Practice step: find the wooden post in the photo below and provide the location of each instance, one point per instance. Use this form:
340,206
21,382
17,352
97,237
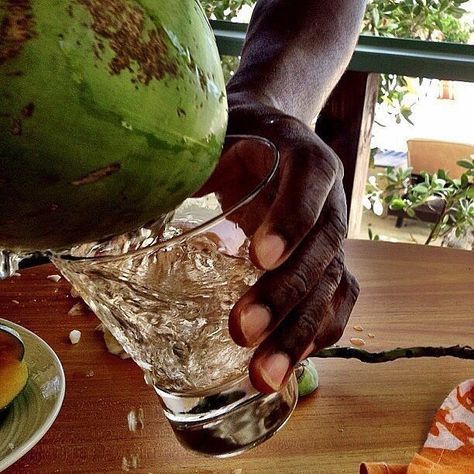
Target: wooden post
345,124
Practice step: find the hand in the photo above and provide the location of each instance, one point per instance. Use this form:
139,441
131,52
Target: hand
302,302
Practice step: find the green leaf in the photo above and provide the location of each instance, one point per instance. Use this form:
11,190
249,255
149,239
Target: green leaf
410,212
470,192
465,164
442,174
420,188
397,204
376,16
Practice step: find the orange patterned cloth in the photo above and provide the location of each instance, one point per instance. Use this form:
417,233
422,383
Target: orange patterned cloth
449,448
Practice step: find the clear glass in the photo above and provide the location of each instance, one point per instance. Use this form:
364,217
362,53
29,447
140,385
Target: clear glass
165,293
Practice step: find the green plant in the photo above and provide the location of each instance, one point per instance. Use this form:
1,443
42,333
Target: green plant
434,20
229,66
396,189
372,236
224,9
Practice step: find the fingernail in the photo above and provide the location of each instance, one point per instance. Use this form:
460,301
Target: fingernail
274,369
254,320
269,250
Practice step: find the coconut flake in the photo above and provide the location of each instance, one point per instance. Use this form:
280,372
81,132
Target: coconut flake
358,328
130,463
132,421
15,302
141,418
371,335
54,278
75,336
113,346
136,420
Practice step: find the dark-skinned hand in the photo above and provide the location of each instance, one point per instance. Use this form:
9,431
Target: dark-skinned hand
303,301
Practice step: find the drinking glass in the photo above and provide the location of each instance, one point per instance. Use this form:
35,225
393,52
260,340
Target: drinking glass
165,293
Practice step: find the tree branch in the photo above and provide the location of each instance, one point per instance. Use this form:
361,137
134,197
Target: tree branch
461,352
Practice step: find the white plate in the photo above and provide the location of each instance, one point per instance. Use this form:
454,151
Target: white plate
33,412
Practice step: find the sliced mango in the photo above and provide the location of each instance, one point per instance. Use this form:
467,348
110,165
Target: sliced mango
13,378
13,370
11,345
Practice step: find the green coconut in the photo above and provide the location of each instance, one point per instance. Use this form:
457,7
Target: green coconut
112,112
307,377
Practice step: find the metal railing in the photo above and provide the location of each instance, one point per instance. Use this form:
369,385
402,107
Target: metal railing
406,57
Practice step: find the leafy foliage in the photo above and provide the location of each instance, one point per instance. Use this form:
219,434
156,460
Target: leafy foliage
436,20
396,189
224,9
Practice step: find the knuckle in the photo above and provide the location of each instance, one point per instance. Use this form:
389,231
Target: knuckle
331,165
292,289
339,226
354,289
295,339
307,324
352,285
335,331
336,268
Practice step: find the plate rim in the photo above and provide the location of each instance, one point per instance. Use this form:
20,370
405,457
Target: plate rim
17,454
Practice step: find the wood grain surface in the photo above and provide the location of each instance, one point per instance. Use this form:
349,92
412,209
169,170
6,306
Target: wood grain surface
411,295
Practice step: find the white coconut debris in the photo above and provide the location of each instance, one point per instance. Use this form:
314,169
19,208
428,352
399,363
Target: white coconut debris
132,421
15,302
54,278
75,336
74,293
136,420
141,418
129,463
113,346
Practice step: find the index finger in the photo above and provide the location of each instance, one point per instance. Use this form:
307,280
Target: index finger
308,172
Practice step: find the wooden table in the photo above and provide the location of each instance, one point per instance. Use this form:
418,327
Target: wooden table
411,295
